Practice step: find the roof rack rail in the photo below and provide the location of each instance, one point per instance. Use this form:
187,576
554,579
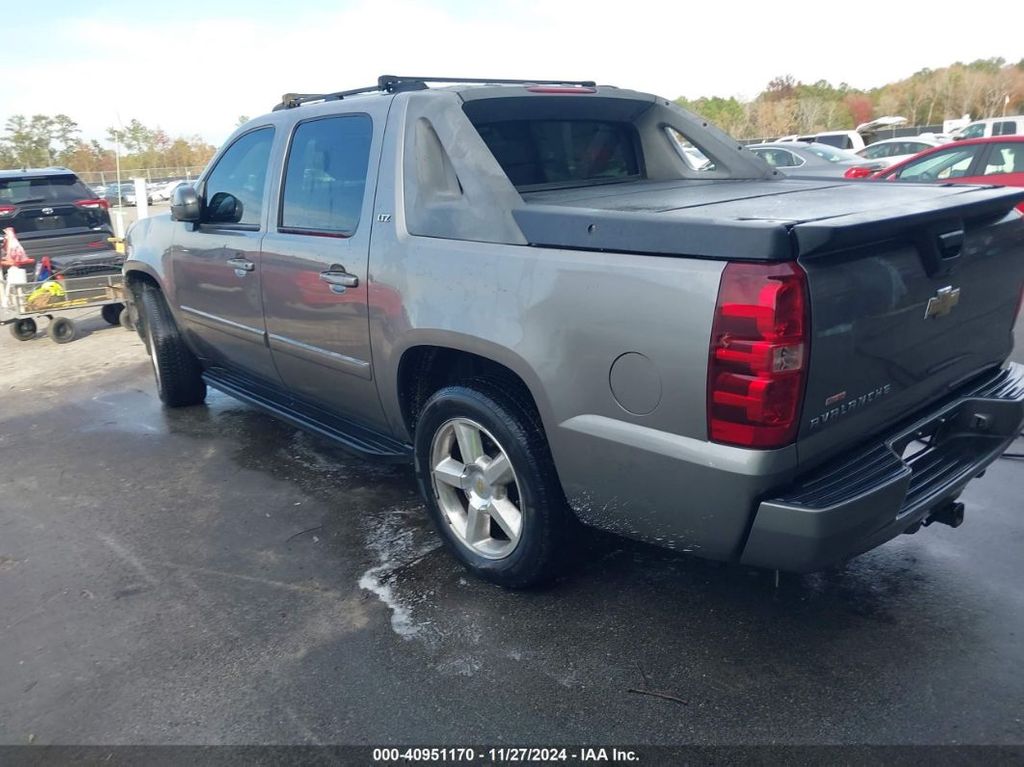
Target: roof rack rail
400,83
393,83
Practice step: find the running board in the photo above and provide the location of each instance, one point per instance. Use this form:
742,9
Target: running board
346,434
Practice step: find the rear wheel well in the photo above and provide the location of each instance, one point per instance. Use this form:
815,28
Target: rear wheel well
424,370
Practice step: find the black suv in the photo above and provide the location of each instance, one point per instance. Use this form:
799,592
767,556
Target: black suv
53,213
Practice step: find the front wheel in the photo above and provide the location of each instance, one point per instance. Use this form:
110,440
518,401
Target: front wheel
179,376
486,474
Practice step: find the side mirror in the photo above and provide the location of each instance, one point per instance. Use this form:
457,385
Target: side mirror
185,204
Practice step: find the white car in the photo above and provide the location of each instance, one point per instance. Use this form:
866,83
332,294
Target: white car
993,126
840,139
894,150
162,191
157,192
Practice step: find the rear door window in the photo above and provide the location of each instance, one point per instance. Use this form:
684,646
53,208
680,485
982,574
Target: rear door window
552,153
325,180
778,158
1004,128
1003,159
912,147
877,151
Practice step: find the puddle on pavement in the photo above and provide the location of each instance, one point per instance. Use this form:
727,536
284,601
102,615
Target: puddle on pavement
463,625
132,411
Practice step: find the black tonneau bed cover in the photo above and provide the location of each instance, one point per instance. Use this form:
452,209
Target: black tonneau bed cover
760,220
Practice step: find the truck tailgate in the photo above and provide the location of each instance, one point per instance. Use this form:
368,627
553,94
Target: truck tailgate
913,287
907,304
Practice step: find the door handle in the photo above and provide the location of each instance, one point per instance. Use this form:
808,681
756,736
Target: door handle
241,263
337,275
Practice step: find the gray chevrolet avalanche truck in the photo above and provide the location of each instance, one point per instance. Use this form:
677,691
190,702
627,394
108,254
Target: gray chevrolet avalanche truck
534,293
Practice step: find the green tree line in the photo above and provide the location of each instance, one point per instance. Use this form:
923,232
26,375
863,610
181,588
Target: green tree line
982,88
44,140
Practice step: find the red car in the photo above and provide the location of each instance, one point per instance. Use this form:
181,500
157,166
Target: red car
998,161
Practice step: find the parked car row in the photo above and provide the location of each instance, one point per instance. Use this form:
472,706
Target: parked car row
124,194
891,150
996,160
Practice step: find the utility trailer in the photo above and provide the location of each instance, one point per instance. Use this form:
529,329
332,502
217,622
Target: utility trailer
22,303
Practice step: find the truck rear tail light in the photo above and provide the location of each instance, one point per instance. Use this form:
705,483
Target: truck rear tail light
758,357
7,211
94,204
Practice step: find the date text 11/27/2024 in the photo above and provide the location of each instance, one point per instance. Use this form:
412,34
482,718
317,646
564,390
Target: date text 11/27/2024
509,754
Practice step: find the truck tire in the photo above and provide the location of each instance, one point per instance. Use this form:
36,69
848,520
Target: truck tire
490,486
112,313
62,330
179,376
24,329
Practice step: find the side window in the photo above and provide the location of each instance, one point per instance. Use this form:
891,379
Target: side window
234,189
974,130
1005,128
875,151
1004,158
692,156
325,179
777,158
789,160
952,163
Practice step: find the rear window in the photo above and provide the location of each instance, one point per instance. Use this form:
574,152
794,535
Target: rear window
840,141
16,191
553,153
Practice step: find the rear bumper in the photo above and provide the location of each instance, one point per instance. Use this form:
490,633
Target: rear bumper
864,498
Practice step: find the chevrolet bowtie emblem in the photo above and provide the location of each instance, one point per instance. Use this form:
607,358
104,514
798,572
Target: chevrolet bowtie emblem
942,302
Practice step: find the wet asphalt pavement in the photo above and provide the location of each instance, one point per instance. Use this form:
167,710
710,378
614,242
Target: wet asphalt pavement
212,575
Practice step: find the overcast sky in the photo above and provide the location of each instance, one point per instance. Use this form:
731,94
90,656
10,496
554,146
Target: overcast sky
194,67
